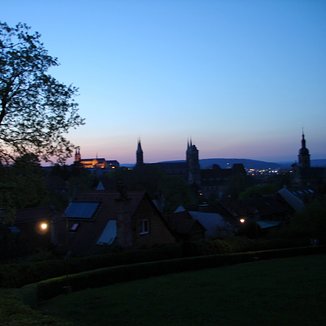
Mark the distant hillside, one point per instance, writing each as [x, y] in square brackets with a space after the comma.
[314, 163]
[228, 162]
[248, 164]
[321, 163]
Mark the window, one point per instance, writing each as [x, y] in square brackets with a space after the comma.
[74, 227]
[144, 226]
[109, 233]
[81, 210]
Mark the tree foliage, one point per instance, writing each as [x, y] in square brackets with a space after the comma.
[22, 185]
[311, 222]
[259, 190]
[36, 110]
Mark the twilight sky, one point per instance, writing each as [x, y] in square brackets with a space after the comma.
[240, 77]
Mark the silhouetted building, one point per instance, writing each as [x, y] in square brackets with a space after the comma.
[139, 155]
[192, 156]
[304, 174]
[215, 181]
[94, 163]
[113, 164]
[189, 169]
[304, 156]
[99, 220]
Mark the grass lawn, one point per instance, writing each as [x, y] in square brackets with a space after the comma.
[13, 312]
[288, 291]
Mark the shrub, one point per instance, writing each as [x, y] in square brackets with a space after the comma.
[19, 274]
[105, 276]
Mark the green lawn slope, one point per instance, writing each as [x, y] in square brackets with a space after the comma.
[289, 291]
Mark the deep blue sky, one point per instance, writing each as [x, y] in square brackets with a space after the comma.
[240, 77]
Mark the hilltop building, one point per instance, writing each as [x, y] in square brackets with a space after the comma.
[95, 163]
[189, 169]
[214, 181]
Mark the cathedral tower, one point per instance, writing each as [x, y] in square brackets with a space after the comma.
[304, 156]
[192, 157]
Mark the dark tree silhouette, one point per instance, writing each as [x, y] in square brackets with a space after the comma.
[36, 110]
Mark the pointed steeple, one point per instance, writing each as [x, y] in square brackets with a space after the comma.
[304, 156]
[303, 141]
[77, 154]
[139, 154]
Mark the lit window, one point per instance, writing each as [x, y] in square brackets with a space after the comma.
[144, 226]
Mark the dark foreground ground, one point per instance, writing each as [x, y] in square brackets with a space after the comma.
[289, 291]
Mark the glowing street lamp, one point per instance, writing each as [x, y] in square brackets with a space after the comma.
[242, 220]
[43, 227]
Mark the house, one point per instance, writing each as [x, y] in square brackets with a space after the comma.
[198, 225]
[292, 199]
[266, 211]
[112, 164]
[185, 227]
[216, 225]
[102, 219]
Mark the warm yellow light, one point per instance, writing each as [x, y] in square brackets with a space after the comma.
[242, 220]
[44, 226]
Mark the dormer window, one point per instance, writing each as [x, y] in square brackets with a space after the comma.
[144, 226]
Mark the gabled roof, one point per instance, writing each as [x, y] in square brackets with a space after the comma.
[182, 223]
[266, 224]
[295, 202]
[258, 207]
[212, 222]
[86, 233]
[109, 201]
[113, 211]
[112, 162]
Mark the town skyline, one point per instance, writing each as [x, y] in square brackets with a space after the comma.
[239, 78]
[189, 141]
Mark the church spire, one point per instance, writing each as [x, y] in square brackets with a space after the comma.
[304, 156]
[139, 154]
[303, 141]
[77, 154]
